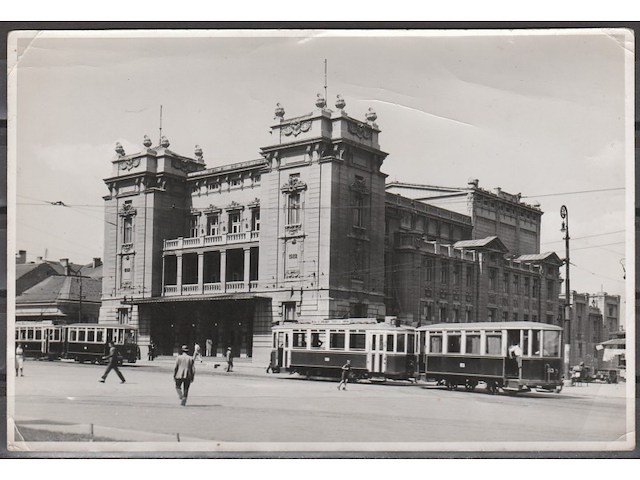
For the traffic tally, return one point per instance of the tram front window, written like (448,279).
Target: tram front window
(357,341)
(435,344)
(336,340)
(494,344)
(535,343)
(299,340)
(317,339)
(400,346)
(390,343)
(411,344)
(472,344)
(453,343)
(551,344)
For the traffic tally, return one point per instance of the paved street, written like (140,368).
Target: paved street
(250,406)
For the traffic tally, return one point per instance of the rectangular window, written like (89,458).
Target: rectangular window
(38,334)
(293,209)
(127,230)
(429,270)
(456,274)
(235,225)
(91,336)
(435,344)
(527,286)
(390,343)
(505,316)
(213,224)
(454,343)
(456,313)
(551,344)
(535,343)
(81,335)
(494,343)
(472,344)
(123,316)
(299,340)
(536,288)
(505,282)
(193,226)
(411,343)
(443,313)
(317,339)
(357,341)
(336,340)
(236,182)
(289,311)
(358,211)
(516,284)
(493,273)
(100,336)
(550,289)
(444,272)
(255,220)
(213,186)
(428,311)
(515,316)
(491,314)
(73,335)
(401,341)
(469,277)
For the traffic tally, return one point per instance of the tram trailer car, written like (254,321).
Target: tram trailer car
(376,350)
(514,356)
(81,342)
(41,340)
(89,342)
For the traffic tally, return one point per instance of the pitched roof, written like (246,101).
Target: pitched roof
(491,243)
(548,257)
(57,288)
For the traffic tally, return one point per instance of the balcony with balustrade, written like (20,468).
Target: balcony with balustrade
(223,271)
(182,243)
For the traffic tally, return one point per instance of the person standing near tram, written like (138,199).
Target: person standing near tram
(20,360)
(344,379)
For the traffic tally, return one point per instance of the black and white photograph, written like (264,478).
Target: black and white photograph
(290,241)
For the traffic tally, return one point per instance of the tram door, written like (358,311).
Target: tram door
(377,361)
(283,349)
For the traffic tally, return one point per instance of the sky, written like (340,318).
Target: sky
(542,114)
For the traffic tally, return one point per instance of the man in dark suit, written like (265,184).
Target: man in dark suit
(113,363)
(183,374)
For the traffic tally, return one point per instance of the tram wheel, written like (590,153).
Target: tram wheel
(469,386)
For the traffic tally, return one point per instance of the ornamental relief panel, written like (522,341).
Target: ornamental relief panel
(129,164)
(296,127)
(127,210)
(359,130)
(294,185)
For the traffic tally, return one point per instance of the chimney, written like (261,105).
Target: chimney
(65,264)
(97,262)
(21,257)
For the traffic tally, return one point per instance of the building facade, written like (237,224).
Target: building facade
(305,232)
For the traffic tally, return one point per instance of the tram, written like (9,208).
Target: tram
(82,342)
(41,340)
(513,356)
(89,342)
(378,351)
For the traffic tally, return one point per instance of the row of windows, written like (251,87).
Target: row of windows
(36,333)
(428,226)
(442,310)
(351,340)
(234,182)
(471,343)
(456,273)
(214,224)
(527,287)
(102,335)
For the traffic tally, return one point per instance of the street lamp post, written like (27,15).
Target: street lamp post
(567,296)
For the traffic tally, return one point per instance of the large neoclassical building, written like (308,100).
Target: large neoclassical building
(307,231)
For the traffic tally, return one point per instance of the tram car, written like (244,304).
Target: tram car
(377,351)
(513,356)
(41,340)
(89,342)
(82,342)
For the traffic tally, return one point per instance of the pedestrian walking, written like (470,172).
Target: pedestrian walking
(20,360)
(113,358)
(183,374)
(229,356)
(196,353)
(209,347)
(344,379)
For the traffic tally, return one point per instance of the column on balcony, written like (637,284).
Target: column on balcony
(179,273)
(223,270)
(247,265)
(201,272)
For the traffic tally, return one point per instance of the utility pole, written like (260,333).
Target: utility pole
(567,300)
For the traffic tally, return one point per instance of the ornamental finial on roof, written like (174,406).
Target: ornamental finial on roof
(164,142)
(198,152)
(279,112)
(119,149)
(340,103)
(320,101)
(146,141)
(371,115)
